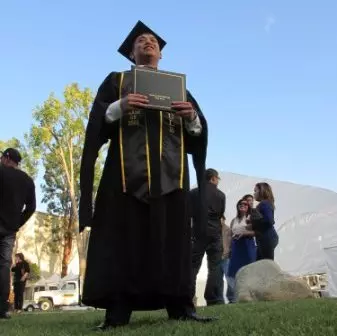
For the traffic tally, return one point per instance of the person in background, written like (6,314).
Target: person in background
(266,236)
(17,204)
(253,213)
(21,272)
(213,244)
(226,238)
(243,249)
(250,200)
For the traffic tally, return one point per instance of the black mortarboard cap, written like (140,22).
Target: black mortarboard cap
(140,28)
(12,154)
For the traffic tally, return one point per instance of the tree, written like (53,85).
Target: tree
(58,132)
(57,196)
(35,272)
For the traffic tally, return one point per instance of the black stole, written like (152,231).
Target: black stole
(152,151)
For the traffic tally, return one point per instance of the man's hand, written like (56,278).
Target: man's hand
(184,110)
(134,101)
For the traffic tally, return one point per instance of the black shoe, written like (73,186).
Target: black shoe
(196,318)
(5,316)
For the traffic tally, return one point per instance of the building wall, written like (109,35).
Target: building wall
(35,241)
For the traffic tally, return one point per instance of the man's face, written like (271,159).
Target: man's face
(215,180)
(146,45)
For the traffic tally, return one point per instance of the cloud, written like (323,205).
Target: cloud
(270,21)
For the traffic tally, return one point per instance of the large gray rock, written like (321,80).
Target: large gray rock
(265,281)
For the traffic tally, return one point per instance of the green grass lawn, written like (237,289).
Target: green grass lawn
(309,317)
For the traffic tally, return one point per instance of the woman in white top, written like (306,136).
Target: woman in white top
(243,249)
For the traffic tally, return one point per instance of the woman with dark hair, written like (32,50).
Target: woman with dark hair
(243,249)
(21,272)
(266,235)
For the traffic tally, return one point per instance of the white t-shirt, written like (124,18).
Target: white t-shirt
(238,225)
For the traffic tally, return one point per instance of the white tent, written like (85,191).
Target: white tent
(41,282)
(70,277)
(302,242)
(330,251)
(55,278)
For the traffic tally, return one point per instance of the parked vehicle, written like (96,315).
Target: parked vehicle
(30,306)
(29,303)
(66,295)
(52,295)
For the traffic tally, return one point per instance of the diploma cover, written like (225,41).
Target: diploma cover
(161,87)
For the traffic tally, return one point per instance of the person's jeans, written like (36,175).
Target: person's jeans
(230,282)
(6,249)
(230,289)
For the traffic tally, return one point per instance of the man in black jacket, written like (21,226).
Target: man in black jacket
(212,245)
(17,204)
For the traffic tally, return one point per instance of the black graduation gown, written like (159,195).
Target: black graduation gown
(140,243)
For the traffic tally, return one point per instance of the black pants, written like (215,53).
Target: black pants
(6,249)
(213,248)
(266,244)
(19,289)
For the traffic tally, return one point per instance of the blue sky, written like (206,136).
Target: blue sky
(264,72)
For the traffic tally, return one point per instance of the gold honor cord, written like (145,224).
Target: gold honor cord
(182,148)
(161,135)
(121,135)
(147,155)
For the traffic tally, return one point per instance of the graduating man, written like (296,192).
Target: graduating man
(139,254)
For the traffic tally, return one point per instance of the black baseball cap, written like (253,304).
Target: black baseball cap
(12,154)
(140,28)
(210,172)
